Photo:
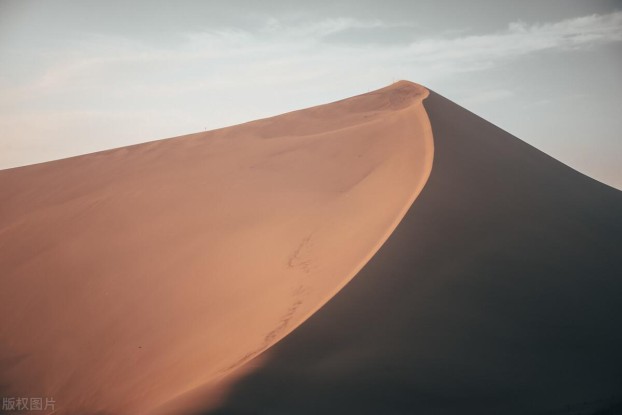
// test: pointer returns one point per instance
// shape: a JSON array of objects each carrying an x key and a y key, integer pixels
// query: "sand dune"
[
  {"x": 499, "y": 293},
  {"x": 134, "y": 275},
  {"x": 207, "y": 273}
]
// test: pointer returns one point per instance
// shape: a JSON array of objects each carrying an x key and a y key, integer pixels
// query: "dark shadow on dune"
[{"x": 499, "y": 293}]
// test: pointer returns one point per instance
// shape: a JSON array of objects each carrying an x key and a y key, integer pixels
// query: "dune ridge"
[
  {"x": 498, "y": 293},
  {"x": 134, "y": 275}
]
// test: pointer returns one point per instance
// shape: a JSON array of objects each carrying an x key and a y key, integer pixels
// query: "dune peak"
[{"x": 135, "y": 275}]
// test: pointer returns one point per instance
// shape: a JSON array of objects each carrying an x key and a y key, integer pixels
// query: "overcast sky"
[{"x": 82, "y": 76}]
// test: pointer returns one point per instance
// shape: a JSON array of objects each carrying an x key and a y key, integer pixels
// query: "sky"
[{"x": 82, "y": 76}]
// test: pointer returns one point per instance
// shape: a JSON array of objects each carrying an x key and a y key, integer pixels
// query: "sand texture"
[
  {"x": 133, "y": 276},
  {"x": 500, "y": 292},
  {"x": 214, "y": 273}
]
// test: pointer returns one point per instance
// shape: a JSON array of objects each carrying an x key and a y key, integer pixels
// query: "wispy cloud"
[
  {"x": 320, "y": 28},
  {"x": 296, "y": 45},
  {"x": 468, "y": 53}
]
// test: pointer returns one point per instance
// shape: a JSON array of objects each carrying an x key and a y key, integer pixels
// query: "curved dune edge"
[
  {"x": 503, "y": 297},
  {"x": 139, "y": 274},
  {"x": 210, "y": 394}
]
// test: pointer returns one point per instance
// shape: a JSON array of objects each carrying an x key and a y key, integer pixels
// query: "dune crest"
[
  {"x": 498, "y": 293},
  {"x": 133, "y": 275}
]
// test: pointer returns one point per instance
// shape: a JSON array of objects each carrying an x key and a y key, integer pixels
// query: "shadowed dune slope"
[
  {"x": 131, "y": 276},
  {"x": 500, "y": 292}
]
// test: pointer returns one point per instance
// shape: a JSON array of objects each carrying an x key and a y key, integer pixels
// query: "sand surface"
[
  {"x": 500, "y": 292},
  {"x": 167, "y": 278},
  {"x": 132, "y": 276}
]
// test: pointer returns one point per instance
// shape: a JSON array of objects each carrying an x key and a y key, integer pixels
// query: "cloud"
[
  {"x": 469, "y": 53},
  {"x": 318, "y": 29},
  {"x": 286, "y": 48}
]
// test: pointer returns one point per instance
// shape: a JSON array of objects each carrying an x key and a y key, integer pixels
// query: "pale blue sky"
[{"x": 82, "y": 76}]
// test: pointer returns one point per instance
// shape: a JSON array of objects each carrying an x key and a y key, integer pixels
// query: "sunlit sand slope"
[{"x": 131, "y": 276}]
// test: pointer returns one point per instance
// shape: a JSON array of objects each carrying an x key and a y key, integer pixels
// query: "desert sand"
[
  {"x": 215, "y": 273},
  {"x": 132, "y": 277},
  {"x": 500, "y": 292}
]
